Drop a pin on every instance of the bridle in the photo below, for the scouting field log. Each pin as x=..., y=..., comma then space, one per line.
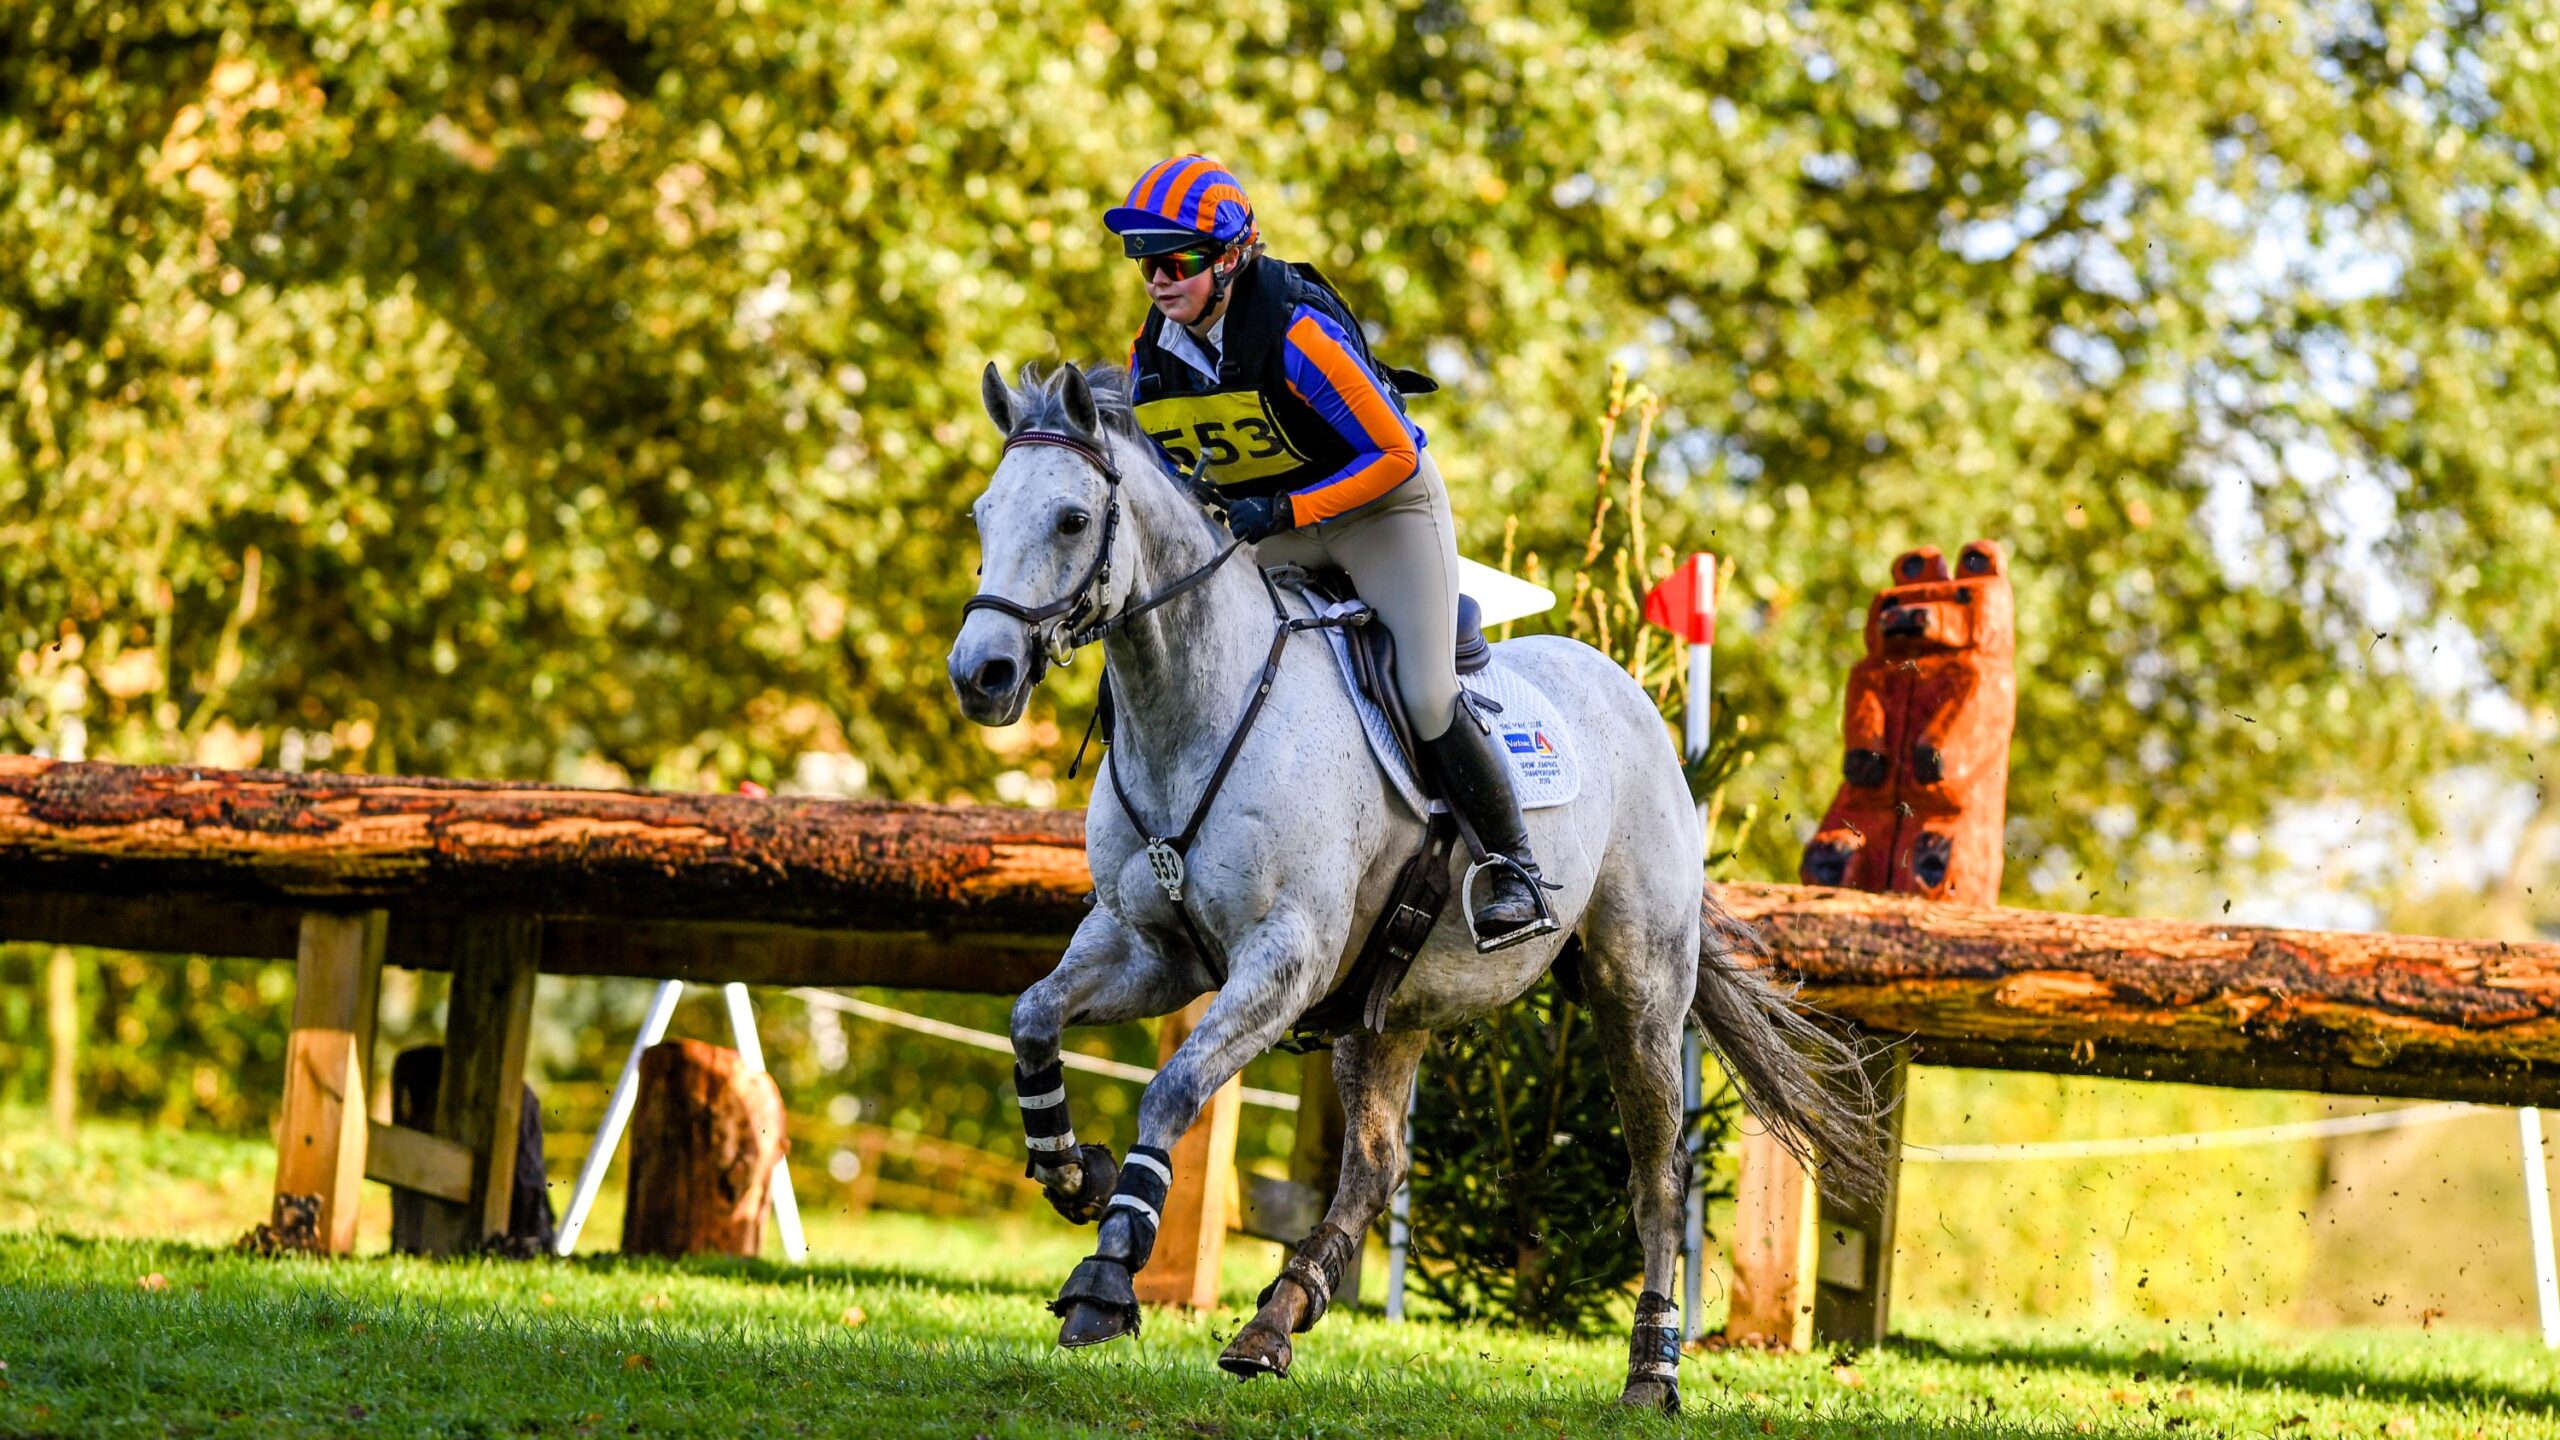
x=1080, y=609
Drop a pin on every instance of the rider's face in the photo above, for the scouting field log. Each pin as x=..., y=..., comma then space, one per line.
x=1186, y=302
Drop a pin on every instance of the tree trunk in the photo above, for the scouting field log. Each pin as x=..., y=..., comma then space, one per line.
x=705, y=1135
x=2246, y=1005
x=805, y=891
x=473, y=847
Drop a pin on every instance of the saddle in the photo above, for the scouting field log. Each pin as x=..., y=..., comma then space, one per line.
x=1373, y=654
x=1422, y=888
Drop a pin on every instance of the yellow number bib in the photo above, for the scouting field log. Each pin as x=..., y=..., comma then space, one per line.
x=1233, y=428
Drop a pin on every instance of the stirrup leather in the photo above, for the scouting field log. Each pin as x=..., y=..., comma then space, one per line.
x=1544, y=924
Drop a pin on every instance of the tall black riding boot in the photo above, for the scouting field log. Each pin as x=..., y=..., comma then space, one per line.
x=1476, y=781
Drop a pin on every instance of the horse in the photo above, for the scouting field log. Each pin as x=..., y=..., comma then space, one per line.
x=1294, y=836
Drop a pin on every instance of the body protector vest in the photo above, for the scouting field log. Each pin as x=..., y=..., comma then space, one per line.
x=1258, y=437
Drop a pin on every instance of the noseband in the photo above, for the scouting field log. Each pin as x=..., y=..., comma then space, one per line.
x=1081, y=606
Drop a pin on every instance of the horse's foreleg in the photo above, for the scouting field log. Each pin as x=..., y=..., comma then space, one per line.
x=1268, y=988
x=1374, y=1074
x=1108, y=975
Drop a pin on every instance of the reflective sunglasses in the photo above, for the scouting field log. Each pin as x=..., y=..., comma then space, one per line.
x=1178, y=264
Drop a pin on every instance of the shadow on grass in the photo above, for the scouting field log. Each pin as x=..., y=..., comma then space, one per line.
x=2342, y=1378
x=761, y=1273
x=1102, y=1390
x=783, y=1275
x=140, y=1251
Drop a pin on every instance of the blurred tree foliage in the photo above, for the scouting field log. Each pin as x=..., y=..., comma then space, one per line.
x=586, y=391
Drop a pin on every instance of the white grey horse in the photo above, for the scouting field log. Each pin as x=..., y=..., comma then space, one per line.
x=1083, y=533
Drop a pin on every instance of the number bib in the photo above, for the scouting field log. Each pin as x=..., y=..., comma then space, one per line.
x=1233, y=428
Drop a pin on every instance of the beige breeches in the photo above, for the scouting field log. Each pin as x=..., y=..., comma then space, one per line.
x=1401, y=550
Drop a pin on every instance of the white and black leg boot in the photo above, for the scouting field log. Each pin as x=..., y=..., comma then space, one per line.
x=1078, y=1179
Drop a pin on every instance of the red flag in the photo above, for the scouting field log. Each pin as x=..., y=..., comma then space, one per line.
x=1685, y=602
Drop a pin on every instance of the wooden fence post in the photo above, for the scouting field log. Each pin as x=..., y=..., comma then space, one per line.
x=1772, y=1246
x=480, y=1097
x=320, y=1146
x=62, y=1031
x=1854, y=1243
x=1925, y=725
x=1192, y=1241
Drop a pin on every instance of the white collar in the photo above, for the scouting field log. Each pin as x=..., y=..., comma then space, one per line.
x=1177, y=340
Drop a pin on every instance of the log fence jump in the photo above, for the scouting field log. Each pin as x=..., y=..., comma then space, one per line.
x=496, y=883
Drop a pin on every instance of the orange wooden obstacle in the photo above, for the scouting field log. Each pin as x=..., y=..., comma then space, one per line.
x=1927, y=723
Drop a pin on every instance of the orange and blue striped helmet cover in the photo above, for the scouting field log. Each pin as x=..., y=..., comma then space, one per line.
x=1181, y=202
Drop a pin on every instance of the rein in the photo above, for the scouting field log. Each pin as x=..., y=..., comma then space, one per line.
x=1167, y=856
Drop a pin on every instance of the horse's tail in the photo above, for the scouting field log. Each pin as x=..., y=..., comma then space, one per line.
x=1808, y=1083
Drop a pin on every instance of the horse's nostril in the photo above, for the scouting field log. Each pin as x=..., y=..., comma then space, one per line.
x=994, y=677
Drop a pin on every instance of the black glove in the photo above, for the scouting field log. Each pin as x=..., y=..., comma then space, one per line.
x=1259, y=517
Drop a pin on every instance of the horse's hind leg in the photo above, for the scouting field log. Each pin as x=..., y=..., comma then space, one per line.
x=1375, y=1074
x=1639, y=969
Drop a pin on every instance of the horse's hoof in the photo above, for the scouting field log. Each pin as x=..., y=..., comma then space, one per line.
x=1648, y=1393
x=1090, y=1322
x=1096, y=1175
x=1255, y=1352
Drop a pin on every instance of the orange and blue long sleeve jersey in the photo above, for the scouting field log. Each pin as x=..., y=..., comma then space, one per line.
x=1293, y=407
x=1324, y=371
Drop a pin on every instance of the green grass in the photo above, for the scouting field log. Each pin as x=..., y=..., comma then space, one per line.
x=949, y=1336
x=952, y=1340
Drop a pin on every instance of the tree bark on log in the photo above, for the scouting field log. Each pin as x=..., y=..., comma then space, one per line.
x=472, y=847
x=2248, y=1005
x=706, y=1135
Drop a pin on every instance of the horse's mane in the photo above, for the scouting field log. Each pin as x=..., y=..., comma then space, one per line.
x=1044, y=401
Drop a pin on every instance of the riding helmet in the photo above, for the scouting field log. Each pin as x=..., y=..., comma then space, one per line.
x=1181, y=202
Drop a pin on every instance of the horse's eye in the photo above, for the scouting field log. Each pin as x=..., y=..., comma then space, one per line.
x=1073, y=522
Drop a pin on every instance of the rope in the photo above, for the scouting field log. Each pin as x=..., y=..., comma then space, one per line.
x=2402, y=1118
x=963, y=1035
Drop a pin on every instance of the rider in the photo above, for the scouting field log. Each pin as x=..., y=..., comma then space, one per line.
x=1260, y=367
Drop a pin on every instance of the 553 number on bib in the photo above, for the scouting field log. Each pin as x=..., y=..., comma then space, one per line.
x=1234, y=431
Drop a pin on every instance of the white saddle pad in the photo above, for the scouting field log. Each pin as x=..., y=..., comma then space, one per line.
x=1527, y=727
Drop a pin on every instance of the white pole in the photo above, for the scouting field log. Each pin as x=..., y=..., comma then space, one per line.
x=2537, y=1210
x=1693, y=1240
x=1399, y=1219
x=1702, y=665
x=1697, y=727
x=617, y=1114
x=1696, y=722
x=786, y=1205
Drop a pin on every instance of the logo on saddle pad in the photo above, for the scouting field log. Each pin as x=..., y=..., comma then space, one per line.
x=1536, y=764
x=1528, y=742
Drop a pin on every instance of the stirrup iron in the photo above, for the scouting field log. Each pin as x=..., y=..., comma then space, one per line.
x=1544, y=924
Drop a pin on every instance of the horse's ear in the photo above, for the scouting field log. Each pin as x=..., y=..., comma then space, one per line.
x=1079, y=400
x=999, y=400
